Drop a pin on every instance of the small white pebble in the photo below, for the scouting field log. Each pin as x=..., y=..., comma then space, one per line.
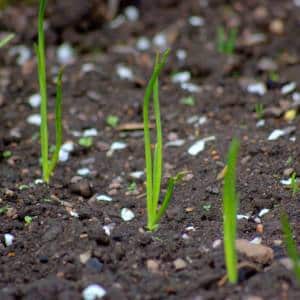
x=127, y=214
x=181, y=54
x=124, y=72
x=34, y=119
x=216, y=243
x=263, y=212
x=176, y=143
x=117, y=22
x=103, y=198
x=35, y=100
x=196, y=21
x=241, y=217
x=65, y=54
x=199, y=146
x=83, y=172
x=131, y=13
x=91, y=132
x=143, y=44
x=256, y=241
x=286, y=181
x=118, y=146
x=74, y=214
x=257, y=88
x=160, y=41
x=277, y=133
x=260, y=123
x=181, y=77
x=190, y=87
x=93, y=292
x=108, y=228
x=288, y=88
x=8, y=239
x=87, y=68
x=38, y=181
x=23, y=54
x=137, y=174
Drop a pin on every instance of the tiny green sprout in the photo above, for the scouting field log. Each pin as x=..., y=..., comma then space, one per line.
x=274, y=76
x=289, y=161
x=112, y=121
x=3, y=210
x=154, y=159
x=207, y=207
x=86, y=141
x=226, y=42
x=47, y=166
x=290, y=244
x=28, y=220
x=23, y=187
x=6, y=40
x=189, y=101
x=6, y=154
x=132, y=187
x=259, y=110
x=230, y=206
x=294, y=184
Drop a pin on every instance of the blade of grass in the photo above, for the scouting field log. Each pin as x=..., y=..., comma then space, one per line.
x=6, y=40
x=40, y=50
x=230, y=44
x=58, y=122
x=230, y=204
x=147, y=140
x=290, y=244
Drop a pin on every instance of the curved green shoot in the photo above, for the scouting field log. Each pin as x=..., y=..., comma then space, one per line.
x=230, y=206
x=6, y=40
x=290, y=244
x=154, y=161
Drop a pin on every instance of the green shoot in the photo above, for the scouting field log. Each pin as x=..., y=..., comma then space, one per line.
x=28, y=220
x=290, y=244
x=47, y=167
x=259, y=110
x=6, y=40
x=112, y=121
x=226, y=42
x=230, y=205
x=294, y=184
x=154, y=161
x=189, y=101
x=86, y=141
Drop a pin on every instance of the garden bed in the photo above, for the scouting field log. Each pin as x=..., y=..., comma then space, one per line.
x=77, y=234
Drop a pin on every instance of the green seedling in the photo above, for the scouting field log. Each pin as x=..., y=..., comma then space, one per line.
x=154, y=161
x=290, y=244
x=259, y=110
x=294, y=184
x=6, y=40
x=226, y=42
x=6, y=154
x=28, y=220
x=3, y=210
x=47, y=166
x=230, y=206
x=132, y=187
x=86, y=141
x=189, y=101
x=112, y=121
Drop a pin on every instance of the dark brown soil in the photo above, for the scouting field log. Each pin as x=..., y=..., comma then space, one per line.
x=44, y=260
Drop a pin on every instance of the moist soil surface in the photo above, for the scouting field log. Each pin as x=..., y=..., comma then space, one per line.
x=74, y=240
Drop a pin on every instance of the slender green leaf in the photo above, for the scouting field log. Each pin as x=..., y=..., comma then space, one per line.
x=290, y=244
x=6, y=40
x=230, y=204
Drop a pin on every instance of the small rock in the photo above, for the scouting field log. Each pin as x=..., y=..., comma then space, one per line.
x=179, y=264
x=94, y=264
x=196, y=21
x=8, y=239
x=65, y=54
x=131, y=13
x=93, y=292
x=257, y=88
x=103, y=198
x=124, y=72
x=83, y=172
x=98, y=234
x=143, y=44
x=288, y=172
x=277, y=27
x=85, y=256
x=181, y=77
x=152, y=265
x=199, y=146
x=257, y=253
x=34, y=119
x=288, y=88
x=35, y=100
x=127, y=214
x=287, y=262
x=81, y=187
x=263, y=212
x=216, y=243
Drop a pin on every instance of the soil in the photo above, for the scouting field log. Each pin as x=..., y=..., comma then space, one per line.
x=46, y=259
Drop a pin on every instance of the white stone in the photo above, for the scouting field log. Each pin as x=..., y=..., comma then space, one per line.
x=263, y=212
x=137, y=174
x=131, y=13
x=160, y=41
x=181, y=77
x=34, y=119
x=176, y=143
x=143, y=44
x=117, y=22
x=288, y=88
x=260, y=123
x=65, y=54
x=118, y=146
x=108, y=228
x=181, y=54
x=8, y=239
x=23, y=54
x=83, y=172
x=124, y=72
x=190, y=87
x=127, y=214
x=35, y=100
x=196, y=21
x=256, y=241
x=286, y=181
x=199, y=146
x=241, y=217
x=257, y=88
x=93, y=292
x=103, y=198
x=87, y=68
x=91, y=132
